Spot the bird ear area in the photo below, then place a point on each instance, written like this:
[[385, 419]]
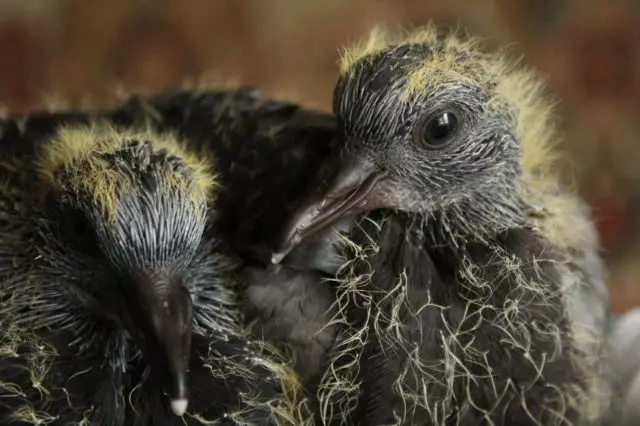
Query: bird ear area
[[437, 130], [72, 227]]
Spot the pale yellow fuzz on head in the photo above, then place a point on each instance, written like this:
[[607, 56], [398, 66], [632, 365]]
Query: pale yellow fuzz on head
[[460, 58], [444, 66], [376, 41], [562, 221], [78, 150]]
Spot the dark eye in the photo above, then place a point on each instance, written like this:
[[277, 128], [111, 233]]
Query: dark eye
[[439, 129], [80, 233], [81, 227]]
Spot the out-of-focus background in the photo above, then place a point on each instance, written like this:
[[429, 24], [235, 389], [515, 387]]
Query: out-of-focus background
[[80, 51]]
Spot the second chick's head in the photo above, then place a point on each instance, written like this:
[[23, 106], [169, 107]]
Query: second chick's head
[[430, 124], [123, 228]]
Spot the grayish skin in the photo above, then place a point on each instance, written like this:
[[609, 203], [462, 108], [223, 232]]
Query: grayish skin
[[292, 303], [293, 308]]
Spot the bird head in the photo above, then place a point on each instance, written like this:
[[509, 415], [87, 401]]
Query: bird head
[[429, 124], [124, 220]]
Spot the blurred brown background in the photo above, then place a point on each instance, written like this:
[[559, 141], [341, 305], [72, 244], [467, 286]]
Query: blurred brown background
[[81, 50]]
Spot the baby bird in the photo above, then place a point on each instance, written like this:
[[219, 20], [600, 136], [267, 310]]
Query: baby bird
[[473, 292], [116, 300], [266, 153]]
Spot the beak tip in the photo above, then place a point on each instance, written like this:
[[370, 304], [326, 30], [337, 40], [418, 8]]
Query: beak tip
[[276, 258], [286, 246], [179, 406]]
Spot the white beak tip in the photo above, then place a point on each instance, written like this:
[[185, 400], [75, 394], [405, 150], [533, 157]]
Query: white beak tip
[[179, 406]]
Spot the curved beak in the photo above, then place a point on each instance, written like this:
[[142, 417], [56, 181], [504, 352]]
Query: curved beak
[[162, 314], [347, 189]]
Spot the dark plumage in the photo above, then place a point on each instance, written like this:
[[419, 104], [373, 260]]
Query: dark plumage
[[264, 154], [115, 291], [267, 153], [463, 300]]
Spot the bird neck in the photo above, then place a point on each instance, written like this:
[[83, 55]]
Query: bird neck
[[477, 218]]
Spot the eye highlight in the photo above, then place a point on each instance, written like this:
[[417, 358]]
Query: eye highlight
[[438, 129]]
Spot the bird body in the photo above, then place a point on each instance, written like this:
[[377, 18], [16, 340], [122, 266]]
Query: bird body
[[115, 290], [473, 291], [267, 153]]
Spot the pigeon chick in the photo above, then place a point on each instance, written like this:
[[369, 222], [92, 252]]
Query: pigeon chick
[[267, 153], [463, 296], [117, 304]]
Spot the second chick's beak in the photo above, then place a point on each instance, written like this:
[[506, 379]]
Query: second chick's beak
[[161, 312], [348, 187]]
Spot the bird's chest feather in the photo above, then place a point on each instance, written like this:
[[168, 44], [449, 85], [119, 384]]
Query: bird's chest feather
[[444, 336], [53, 378], [65, 363]]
